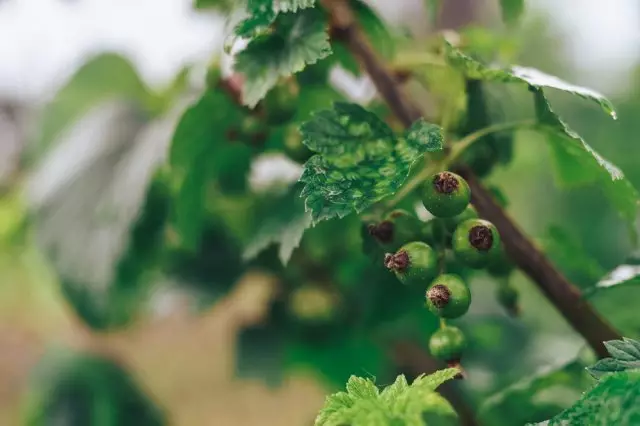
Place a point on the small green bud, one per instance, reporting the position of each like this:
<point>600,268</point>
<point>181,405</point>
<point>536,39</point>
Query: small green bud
<point>508,297</point>
<point>475,242</point>
<point>448,296</point>
<point>451,223</point>
<point>414,263</point>
<point>293,146</point>
<point>446,194</point>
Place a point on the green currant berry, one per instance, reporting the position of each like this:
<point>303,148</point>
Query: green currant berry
<point>499,264</point>
<point>447,344</point>
<point>397,229</point>
<point>415,263</point>
<point>436,234</point>
<point>252,130</point>
<point>281,102</point>
<point>508,297</point>
<point>451,223</point>
<point>448,296</point>
<point>446,194</point>
<point>293,146</point>
<point>475,242</point>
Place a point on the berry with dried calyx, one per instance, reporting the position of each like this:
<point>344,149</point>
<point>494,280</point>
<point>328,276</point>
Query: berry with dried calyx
<point>397,229</point>
<point>446,194</point>
<point>475,242</point>
<point>448,296</point>
<point>414,263</point>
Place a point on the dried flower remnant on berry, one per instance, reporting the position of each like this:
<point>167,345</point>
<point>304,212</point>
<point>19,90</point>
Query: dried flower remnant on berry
<point>439,295</point>
<point>481,237</point>
<point>382,232</point>
<point>445,183</point>
<point>398,261</point>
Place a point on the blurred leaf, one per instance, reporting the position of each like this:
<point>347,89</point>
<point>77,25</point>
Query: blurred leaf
<point>578,164</point>
<point>263,12</point>
<point>399,403</point>
<point>337,359</point>
<point>625,355</point>
<point>201,151</point>
<point>297,40</point>
<point>103,78</point>
<point>568,253</point>
<point>375,29</point>
<point>224,6</point>
<point>537,397</point>
<point>75,389</point>
<point>361,161</point>
<point>283,222</point>
<point>623,275</point>
<point>260,354</point>
<point>476,70</point>
<point>613,401</point>
<point>511,11</point>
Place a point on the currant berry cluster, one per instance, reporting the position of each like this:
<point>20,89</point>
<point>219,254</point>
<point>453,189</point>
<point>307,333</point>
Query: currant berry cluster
<point>416,253</point>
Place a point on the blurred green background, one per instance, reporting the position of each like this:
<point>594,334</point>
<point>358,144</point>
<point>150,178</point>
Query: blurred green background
<point>223,365</point>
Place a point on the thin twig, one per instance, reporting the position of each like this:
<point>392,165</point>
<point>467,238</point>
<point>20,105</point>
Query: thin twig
<point>562,293</point>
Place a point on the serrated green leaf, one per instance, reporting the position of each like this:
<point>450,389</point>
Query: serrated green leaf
<point>578,164</point>
<point>534,78</point>
<point>433,380</point>
<point>361,388</point>
<point>262,13</point>
<point>511,10</point>
<point>346,130</point>
<point>102,78</point>
<point>625,355</point>
<point>297,40</point>
<point>613,401</point>
<point>391,392</point>
<point>360,161</point>
<point>283,223</point>
<point>397,404</point>
<point>425,134</point>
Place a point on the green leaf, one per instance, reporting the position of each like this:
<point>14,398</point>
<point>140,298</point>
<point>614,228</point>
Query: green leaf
<point>201,153</point>
<point>625,355</point>
<point>623,275</point>
<point>534,78</point>
<point>360,161</point>
<point>360,388</point>
<point>398,404</point>
<point>432,381</point>
<point>283,223</point>
<point>511,10</point>
<point>578,164</point>
<point>613,401</point>
<point>262,13</point>
<point>297,40</point>
<point>102,78</point>
<point>536,397</point>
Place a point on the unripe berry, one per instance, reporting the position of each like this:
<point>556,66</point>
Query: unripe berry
<point>475,242</point>
<point>415,263</point>
<point>281,102</point>
<point>508,297</point>
<point>448,296</point>
<point>397,229</point>
<point>499,264</point>
<point>446,194</point>
<point>451,223</point>
<point>293,146</point>
<point>447,344</point>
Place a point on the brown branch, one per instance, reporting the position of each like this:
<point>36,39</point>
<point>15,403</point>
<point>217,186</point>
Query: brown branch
<point>562,293</point>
